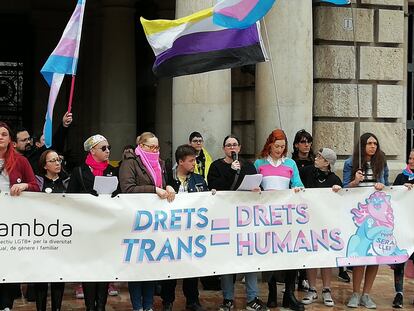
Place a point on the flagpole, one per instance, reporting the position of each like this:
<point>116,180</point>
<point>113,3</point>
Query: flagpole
<point>358,127</point>
<point>273,74</point>
<point>72,89</point>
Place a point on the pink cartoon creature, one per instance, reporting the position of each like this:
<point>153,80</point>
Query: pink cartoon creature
<point>375,222</point>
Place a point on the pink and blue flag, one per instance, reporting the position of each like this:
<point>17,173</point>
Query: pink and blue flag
<point>62,61</point>
<point>338,2</point>
<point>240,13</point>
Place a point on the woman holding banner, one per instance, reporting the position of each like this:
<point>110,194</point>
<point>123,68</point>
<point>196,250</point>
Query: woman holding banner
<point>16,176</point>
<point>279,173</point>
<point>82,181</point>
<point>366,168</point>
<point>142,171</point>
<point>227,174</point>
<point>51,180</point>
<point>321,175</point>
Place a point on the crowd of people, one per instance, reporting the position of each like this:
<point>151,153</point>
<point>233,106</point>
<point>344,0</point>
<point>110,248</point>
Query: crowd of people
<point>27,165</point>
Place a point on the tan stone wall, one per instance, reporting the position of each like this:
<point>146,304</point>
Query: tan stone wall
<point>373,73</point>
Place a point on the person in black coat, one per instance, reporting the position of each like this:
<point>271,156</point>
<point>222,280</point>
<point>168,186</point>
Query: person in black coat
<point>50,180</point>
<point>82,181</point>
<point>227,174</point>
<point>320,175</point>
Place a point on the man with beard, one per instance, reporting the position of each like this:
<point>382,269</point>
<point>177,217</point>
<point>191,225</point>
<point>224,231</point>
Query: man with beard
<point>24,144</point>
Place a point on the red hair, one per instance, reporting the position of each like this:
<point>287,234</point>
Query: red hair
<point>10,155</point>
<point>276,134</point>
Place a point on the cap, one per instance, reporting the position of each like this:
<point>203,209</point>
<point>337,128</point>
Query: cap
<point>93,141</point>
<point>329,155</point>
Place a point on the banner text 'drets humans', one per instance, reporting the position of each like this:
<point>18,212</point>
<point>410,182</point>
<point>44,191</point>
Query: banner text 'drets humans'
<point>276,216</point>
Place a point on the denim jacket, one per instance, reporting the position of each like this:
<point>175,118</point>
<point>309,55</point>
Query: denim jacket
<point>347,172</point>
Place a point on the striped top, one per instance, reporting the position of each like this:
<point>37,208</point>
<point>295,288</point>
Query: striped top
<point>369,179</point>
<point>283,174</point>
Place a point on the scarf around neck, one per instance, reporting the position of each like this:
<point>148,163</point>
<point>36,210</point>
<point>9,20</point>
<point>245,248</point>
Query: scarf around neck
<point>408,172</point>
<point>97,167</point>
<point>151,161</point>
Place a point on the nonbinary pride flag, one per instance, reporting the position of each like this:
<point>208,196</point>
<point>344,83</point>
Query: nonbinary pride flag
<point>63,60</point>
<point>194,44</point>
<point>240,13</point>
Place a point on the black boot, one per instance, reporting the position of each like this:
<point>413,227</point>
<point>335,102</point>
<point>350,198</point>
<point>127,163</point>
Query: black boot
<point>289,299</point>
<point>272,297</point>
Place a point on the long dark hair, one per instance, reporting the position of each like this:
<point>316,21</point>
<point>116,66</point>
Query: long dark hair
<point>298,137</point>
<point>378,161</point>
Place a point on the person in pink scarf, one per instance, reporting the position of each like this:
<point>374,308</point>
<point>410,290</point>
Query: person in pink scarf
<point>82,181</point>
<point>142,171</point>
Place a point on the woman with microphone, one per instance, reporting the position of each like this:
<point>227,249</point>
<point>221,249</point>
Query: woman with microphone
<point>227,174</point>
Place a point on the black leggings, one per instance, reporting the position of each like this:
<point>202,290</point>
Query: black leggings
<point>56,294</point>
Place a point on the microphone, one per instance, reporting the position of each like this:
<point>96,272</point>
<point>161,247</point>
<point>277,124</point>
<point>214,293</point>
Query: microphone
<point>235,158</point>
<point>234,155</point>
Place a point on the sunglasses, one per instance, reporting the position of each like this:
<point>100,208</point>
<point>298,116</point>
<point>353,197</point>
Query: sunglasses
<point>304,141</point>
<point>103,148</point>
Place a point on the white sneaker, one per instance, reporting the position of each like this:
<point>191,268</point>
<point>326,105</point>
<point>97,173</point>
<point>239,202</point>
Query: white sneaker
<point>327,298</point>
<point>367,302</point>
<point>354,301</point>
<point>310,296</point>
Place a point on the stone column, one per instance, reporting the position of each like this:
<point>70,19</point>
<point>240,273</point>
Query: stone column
<point>117,115</point>
<point>163,115</point>
<point>289,26</point>
<point>201,102</point>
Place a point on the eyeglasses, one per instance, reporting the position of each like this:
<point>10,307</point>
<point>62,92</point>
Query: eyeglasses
<point>152,148</point>
<point>197,141</point>
<point>231,145</point>
<point>304,141</point>
<point>103,148</point>
<point>55,160</point>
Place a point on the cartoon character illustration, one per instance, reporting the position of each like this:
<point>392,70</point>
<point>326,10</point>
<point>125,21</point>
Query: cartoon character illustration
<point>375,222</point>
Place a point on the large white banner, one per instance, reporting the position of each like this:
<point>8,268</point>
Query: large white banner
<point>75,237</point>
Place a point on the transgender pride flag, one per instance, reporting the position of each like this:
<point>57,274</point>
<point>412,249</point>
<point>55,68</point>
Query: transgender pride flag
<point>338,2</point>
<point>240,13</point>
<point>63,60</point>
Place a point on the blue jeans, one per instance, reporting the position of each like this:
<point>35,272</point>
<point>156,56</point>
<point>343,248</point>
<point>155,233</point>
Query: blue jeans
<point>141,294</point>
<point>252,291</point>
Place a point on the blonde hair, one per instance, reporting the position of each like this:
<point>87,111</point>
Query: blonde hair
<point>144,137</point>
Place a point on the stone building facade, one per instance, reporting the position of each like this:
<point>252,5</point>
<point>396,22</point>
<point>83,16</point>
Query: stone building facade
<point>374,65</point>
<point>319,75</point>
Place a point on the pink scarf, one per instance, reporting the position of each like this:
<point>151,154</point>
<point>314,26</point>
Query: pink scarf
<point>151,161</point>
<point>97,167</point>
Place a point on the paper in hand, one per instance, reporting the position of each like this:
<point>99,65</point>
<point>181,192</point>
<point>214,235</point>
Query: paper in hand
<point>250,182</point>
<point>105,184</point>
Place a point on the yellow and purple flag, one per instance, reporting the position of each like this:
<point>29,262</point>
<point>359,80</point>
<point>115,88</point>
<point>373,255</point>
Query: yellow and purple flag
<point>62,61</point>
<point>240,13</point>
<point>194,44</point>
